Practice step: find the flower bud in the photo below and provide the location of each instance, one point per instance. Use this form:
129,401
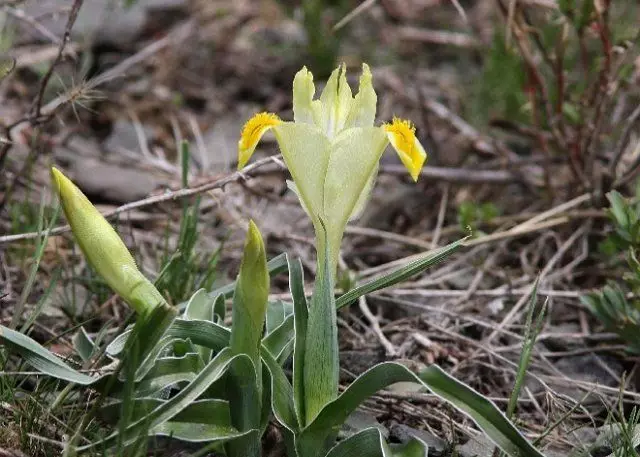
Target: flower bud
103,248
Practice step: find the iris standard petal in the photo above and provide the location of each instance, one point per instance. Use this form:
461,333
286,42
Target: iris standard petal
252,131
303,92
402,136
335,103
363,108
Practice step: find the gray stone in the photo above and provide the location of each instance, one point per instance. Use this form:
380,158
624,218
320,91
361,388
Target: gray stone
403,433
587,369
104,21
609,441
478,446
112,183
218,150
360,420
125,137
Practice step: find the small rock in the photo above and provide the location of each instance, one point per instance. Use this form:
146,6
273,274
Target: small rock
360,420
403,433
357,362
124,136
479,446
562,337
586,368
112,183
217,152
101,21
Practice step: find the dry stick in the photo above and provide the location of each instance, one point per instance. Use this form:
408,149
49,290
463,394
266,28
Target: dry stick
174,195
409,241
73,14
440,221
389,348
177,34
441,293
624,140
461,40
555,211
361,8
466,175
20,15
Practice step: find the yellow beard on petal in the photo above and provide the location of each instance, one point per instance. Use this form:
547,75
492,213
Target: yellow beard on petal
252,131
402,136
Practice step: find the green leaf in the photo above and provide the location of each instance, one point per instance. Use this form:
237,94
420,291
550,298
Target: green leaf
279,342
245,400
210,374
205,420
488,417
367,443
148,330
482,410
83,344
204,333
301,316
618,209
42,359
219,309
201,307
281,394
371,443
401,274
277,312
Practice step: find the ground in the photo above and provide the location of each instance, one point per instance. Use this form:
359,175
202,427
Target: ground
109,97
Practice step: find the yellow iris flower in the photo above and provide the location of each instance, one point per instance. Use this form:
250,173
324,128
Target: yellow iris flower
332,149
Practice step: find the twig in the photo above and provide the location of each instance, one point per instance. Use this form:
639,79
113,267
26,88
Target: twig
440,221
465,175
361,8
409,241
389,348
20,15
73,14
168,196
624,140
461,40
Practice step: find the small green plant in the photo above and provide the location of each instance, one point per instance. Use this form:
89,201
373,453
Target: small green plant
471,214
555,78
192,378
617,305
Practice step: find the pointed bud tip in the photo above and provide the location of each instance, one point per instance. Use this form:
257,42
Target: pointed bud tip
254,241
56,178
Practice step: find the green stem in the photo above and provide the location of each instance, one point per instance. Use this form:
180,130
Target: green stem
321,364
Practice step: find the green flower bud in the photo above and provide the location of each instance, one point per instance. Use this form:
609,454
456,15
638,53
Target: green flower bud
103,248
250,298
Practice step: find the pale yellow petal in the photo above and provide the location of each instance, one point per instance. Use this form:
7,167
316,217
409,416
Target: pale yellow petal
363,199
305,150
402,136
363,108
335,103
303,92
252,131
293,188
354,160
